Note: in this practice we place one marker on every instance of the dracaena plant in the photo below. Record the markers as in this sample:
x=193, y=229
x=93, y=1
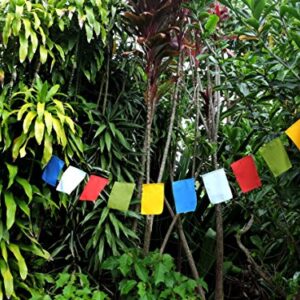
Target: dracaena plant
x=155, y=24
x=46, y=119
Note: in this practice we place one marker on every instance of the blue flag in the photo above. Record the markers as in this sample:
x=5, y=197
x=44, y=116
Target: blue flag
x=185, y=195
x=52, y=170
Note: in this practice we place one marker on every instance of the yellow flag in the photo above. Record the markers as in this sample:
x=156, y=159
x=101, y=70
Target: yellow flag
x=152, y=199
x=294, y=133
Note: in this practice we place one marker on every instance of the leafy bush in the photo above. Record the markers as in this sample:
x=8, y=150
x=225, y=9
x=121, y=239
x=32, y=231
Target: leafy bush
x=151, y=277
x=70, y=286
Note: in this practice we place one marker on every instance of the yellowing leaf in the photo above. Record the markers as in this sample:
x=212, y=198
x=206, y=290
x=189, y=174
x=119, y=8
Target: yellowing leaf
x=23, y=50
x=43, y=54
x=27, y=26
x=7, y=279
x=28, y=121
x=39, y=129
x=18, y=142
x=40, y=109
x=48, y=121
x=34, y=41
x=70, y=123
x=23, y=109
x=60, y=132
x=47, y=149
x=21, y=261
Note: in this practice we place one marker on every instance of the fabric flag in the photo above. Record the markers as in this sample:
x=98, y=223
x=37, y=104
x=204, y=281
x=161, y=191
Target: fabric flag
x=217, y=186
x=246, y=174
x=152, y=199
x=93, y=188
x=276, y=157
x=121, y=195
x=70, y=179
x=293, y=133
x=52, y=170
x=184, y=195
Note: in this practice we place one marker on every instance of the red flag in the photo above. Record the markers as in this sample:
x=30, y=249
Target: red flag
x=93, y=188
x=246, y=174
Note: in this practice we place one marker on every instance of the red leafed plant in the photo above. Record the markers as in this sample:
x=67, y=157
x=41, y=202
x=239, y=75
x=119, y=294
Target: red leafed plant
x=156, y=25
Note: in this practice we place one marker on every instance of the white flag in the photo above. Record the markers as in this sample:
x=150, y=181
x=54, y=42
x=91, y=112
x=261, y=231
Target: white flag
x=70, y=179
x=217, y=186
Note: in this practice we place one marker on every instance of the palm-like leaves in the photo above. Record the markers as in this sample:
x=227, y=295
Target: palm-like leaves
x=41, y=113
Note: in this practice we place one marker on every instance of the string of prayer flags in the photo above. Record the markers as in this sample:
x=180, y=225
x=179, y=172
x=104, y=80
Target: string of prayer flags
x=121, y=195
x=70, y=179
x=217, y=186
x=276, y=157
x=93, y=188
x=293, y=133
x=52, y=170
x=184, y=195
x=246, y=174
x=152, y=199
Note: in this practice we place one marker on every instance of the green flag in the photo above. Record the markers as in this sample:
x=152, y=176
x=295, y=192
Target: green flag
x=276, y=157
x=120, y=195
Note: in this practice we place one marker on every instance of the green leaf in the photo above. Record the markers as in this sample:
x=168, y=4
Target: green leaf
x=296, y=37
x=259, y=6
x=21, y=261
x=126, y=286
x=23, y=50
x=7, y=279
x=100, y=130
x=107, y=141
x=253, y=23
x=159, y=273
x=26, y=187
x=104, y=214
x=122, y=139
x=89, y=32
x=284, y=9
x=12, y=171
x=39, y=130
x=62, y=280
x=211, y=24
x=54, y=89
x=11, y=208
x=16, y=26
x=4, y=250
x=23, y=206
x=141, y=272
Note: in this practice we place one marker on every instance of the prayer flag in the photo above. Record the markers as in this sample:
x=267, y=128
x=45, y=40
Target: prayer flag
x=184, y=195
x=93, y=188
x=276, y=157
x=246, y=174
x=152, y=199
x=52, y=170
x=217, y=186
x=294, y=133
x=120, y=195
x=70, y=179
